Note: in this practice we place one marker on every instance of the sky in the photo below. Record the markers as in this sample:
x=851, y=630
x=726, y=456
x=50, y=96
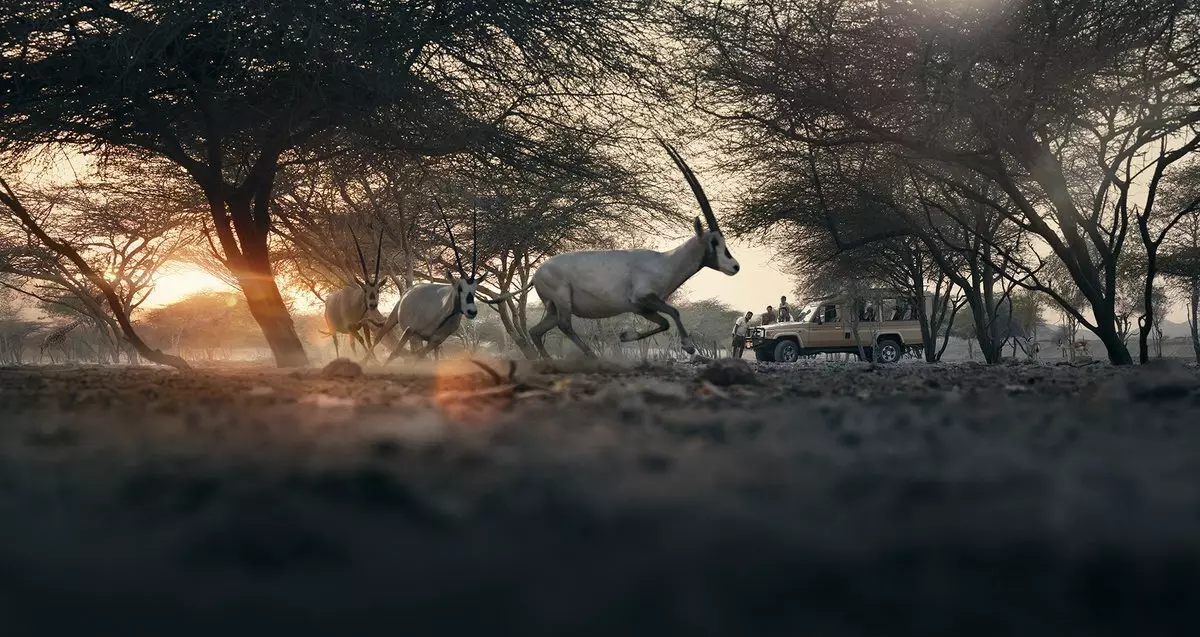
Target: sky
x=757, y=285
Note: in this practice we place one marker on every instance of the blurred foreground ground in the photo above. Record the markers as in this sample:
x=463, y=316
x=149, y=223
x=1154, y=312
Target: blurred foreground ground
x=821, y=500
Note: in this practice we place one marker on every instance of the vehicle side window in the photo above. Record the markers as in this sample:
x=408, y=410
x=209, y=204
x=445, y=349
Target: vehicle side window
x=831, y=313
x=890, y=310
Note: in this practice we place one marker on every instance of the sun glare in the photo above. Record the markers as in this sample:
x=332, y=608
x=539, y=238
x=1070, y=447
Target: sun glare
x=186, y=281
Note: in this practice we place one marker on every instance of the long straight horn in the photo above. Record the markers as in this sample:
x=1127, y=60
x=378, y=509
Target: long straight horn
x=378, y=253
x=474, y=241
x=701, y=198
x=450, y=232
x=361, y=260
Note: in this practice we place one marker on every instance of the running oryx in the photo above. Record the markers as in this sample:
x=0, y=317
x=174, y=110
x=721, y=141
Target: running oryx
x=433, y=311
x=355, y=307
x=608, y=283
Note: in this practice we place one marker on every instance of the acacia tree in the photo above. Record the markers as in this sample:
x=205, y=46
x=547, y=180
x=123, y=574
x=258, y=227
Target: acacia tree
x=1181, y=261
x=124, y=222
x=1049, y=103
x=231, y=91
x=1181, y=266
x=864, y=203
x=81, y=269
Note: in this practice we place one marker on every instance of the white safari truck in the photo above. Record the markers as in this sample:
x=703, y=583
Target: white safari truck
x=887, y=327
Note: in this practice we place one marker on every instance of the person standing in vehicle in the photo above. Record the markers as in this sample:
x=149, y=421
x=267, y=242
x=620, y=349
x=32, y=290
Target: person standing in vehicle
x=738, y=347
x=785, y=313
x=768, y=316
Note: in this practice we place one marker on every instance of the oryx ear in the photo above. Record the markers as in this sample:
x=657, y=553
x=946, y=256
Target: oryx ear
x=699, y=228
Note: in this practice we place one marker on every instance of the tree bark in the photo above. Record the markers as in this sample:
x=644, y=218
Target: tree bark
x=1118, y=352
x=1194, y=316
x=249, y=260
x=1146, y=321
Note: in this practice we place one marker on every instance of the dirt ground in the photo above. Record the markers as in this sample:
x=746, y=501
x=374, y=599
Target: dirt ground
x=810, y=499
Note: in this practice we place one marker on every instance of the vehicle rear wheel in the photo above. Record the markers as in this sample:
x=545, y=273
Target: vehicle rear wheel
x=787, y=351
x=890, y=351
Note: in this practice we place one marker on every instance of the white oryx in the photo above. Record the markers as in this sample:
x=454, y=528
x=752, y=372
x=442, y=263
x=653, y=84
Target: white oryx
x=355, y=307
x=607, y=283
x=432, y=312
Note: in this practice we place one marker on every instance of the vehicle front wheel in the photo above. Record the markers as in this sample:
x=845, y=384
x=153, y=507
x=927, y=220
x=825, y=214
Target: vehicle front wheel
x=889, y=351
x=787, y=351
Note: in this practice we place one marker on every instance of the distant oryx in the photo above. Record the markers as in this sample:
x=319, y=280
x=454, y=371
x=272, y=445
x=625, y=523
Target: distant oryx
x=352, y=308
x=608, y=283
x=433, y=311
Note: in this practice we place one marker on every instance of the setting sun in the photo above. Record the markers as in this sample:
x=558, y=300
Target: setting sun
x=183, y=282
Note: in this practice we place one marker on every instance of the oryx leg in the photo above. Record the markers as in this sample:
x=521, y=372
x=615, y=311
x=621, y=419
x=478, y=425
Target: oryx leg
x=370, y=344
x=628, y=336
x=358, y=337
x=538, y=332
x=563, y=307
x=435, y=347
x=405, y=337
x=653, y=303
x=564, y=325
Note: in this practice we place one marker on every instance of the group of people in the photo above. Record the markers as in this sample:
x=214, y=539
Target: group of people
x=741, y=326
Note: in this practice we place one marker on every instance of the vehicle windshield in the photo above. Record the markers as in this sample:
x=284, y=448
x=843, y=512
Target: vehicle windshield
x=807, y=313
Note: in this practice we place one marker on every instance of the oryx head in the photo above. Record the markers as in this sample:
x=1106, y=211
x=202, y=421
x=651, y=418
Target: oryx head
x=716, y=253
x=465, y=283
x=369, y=284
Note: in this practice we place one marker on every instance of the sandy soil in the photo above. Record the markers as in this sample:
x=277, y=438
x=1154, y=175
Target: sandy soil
x=814, y=500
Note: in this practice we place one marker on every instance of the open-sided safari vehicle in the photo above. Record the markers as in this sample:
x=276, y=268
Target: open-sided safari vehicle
x=886, y=325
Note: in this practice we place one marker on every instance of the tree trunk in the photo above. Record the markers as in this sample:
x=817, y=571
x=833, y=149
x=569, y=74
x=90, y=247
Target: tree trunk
x=1118, y=351
x=267, y=307
x=250, y=261
x=518, y=338
x=1194, y=316
x=1146, y=321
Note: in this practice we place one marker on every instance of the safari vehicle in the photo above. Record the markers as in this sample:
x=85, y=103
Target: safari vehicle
x=887, y=326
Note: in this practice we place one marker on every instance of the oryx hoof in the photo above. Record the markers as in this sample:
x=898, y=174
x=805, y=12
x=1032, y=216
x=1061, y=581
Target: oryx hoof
x=689, y=348
x=628, y=336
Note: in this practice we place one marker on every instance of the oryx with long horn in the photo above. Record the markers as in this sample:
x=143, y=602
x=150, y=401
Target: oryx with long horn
x=356, y=307
x=599, y=284
x=432, y=312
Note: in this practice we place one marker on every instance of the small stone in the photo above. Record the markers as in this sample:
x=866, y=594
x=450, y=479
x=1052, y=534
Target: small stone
x=342, y=368
x=729, y=371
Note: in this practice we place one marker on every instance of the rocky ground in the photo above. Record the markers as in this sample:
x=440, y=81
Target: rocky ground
x=812, y=499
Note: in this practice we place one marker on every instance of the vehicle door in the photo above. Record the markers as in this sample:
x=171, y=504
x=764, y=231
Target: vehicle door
x=829, y=330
